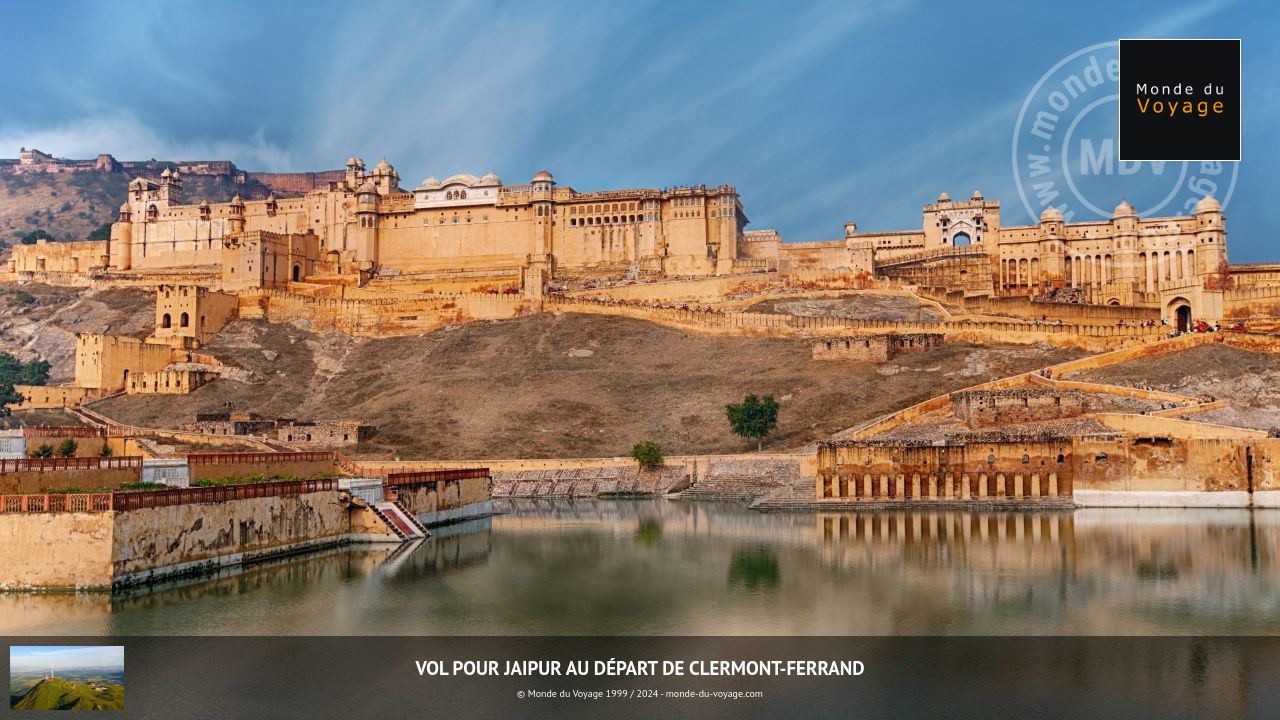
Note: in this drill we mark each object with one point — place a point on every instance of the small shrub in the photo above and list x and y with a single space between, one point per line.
647 453
67 448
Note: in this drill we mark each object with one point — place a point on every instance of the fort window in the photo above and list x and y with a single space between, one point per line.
166 321
184 320
1061 457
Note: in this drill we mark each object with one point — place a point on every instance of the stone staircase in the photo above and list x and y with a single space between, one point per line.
401 521
743 480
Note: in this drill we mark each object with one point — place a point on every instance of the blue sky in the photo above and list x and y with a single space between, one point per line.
819 112
64 657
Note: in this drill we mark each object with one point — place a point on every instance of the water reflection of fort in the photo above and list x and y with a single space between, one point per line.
658 567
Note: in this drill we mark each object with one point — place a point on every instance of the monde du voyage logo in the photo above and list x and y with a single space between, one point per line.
1077 145
1179 100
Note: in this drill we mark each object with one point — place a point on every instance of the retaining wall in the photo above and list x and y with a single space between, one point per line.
68 550
152 543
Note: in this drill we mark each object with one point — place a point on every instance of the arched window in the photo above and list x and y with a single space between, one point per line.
166 321
184 320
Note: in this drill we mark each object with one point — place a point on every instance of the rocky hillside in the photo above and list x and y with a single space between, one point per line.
569 385
41 322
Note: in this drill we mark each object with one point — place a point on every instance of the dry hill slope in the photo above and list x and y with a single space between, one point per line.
40 321
568 385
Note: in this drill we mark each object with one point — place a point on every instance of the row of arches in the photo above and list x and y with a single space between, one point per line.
166 321
1019 272
1154 268
613 220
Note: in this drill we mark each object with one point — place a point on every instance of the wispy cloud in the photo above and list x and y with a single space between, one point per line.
818 110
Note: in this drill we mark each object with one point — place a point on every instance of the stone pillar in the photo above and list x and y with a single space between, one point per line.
1053 484
1035 485
982 485
1017 486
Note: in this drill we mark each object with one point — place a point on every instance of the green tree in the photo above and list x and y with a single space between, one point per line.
105 451
30 238
15 372
67 448
753 418
44 451
647 453
102 232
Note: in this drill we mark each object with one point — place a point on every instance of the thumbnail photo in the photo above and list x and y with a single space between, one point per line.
66 677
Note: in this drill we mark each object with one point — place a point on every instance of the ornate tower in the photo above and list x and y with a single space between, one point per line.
236 222
171 186
366 231
543 186
1125 264
1211 237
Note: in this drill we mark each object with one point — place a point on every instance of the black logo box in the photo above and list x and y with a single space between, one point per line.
1186 68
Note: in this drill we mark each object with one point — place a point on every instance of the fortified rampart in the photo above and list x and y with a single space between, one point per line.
381 317
874 348
989 408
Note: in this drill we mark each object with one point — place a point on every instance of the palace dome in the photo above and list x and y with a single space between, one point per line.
1208 204
367 188
236 200
1051 214
542 175
490 179
944 197
383 167
1124 209
462 179
977 195
124 207
431 183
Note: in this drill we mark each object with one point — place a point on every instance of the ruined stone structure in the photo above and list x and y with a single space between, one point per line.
306 433
874 348
988 408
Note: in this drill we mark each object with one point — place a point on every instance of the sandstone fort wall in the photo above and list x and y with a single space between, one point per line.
67 550
152 543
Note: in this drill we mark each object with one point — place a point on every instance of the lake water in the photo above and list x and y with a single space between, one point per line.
646 567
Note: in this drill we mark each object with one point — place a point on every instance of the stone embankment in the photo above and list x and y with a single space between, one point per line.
589 482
